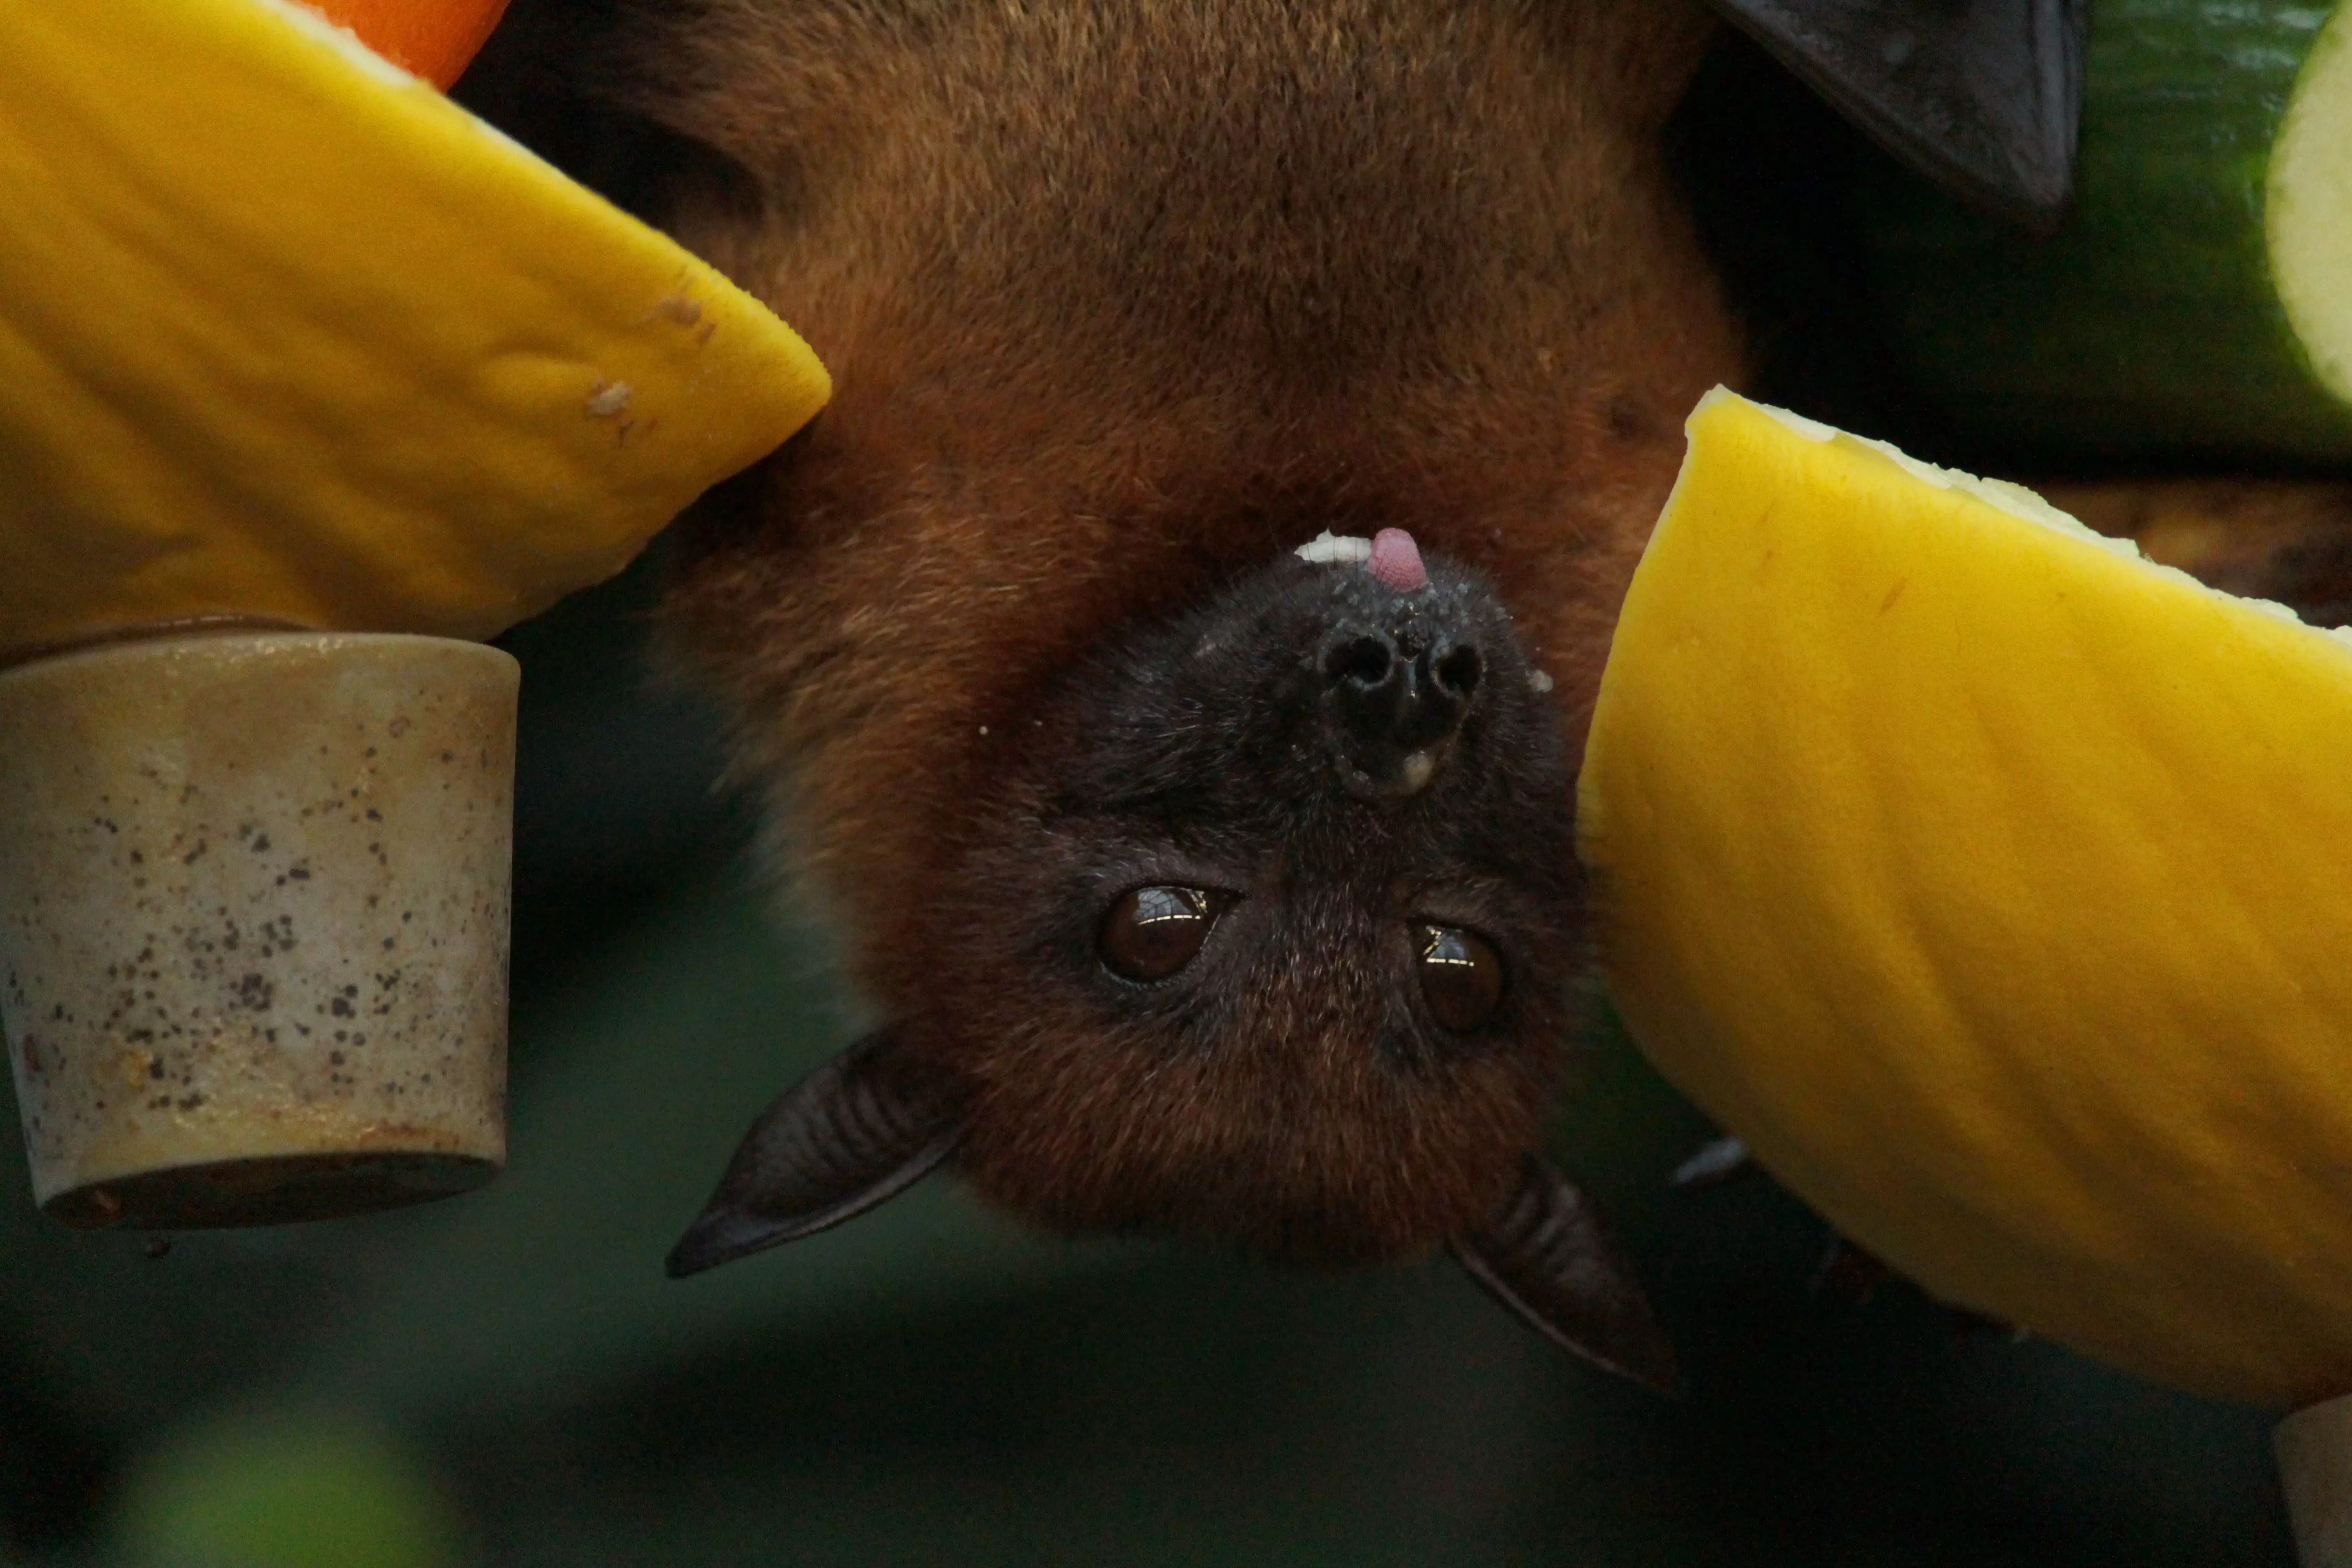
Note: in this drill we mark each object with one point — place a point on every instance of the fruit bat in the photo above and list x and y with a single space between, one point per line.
1205 885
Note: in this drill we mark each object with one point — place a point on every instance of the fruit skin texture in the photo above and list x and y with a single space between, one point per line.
1992 885
295 339
435 38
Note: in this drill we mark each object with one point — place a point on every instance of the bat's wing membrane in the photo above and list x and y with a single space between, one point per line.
1982 96
855 1133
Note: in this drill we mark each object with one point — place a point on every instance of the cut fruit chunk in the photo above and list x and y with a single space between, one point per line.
287 336
2307 208
1995 886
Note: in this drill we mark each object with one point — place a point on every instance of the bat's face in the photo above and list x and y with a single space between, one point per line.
1256 927
1262 931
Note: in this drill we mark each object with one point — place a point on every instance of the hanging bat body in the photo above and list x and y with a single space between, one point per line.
1203 888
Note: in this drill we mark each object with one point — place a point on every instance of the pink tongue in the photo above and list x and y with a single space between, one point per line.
1396 561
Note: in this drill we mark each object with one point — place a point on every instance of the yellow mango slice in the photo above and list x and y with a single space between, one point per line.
284 335
1996 886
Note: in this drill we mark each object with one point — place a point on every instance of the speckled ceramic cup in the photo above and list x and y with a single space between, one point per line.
254 923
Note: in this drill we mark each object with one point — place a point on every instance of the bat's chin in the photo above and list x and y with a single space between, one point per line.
1303 1150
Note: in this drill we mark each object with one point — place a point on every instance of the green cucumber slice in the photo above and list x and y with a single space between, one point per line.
2308 207
2197 306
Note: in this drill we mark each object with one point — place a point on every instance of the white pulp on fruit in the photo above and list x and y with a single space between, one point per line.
2307 208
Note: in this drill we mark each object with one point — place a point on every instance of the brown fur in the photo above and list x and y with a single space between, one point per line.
1122 299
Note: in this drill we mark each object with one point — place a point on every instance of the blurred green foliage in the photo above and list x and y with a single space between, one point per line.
283 1489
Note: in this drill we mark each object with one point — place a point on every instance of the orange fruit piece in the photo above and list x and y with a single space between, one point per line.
432 38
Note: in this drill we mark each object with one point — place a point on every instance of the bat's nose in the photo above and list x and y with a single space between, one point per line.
1394 706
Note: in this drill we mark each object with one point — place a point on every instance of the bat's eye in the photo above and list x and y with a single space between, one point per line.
1152 932
1460 976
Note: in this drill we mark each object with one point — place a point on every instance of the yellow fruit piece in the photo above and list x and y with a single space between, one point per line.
285 334
1996 886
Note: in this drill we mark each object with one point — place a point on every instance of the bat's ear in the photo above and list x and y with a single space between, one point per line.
1982 96
855 1133
1546 1257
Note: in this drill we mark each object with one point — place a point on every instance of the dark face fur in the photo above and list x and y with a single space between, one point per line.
1123 301
1318 780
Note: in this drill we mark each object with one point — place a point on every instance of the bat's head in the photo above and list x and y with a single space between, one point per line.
1262 929
1267 935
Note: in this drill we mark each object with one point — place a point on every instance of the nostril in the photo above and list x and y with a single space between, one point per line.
1457 671
1361 661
